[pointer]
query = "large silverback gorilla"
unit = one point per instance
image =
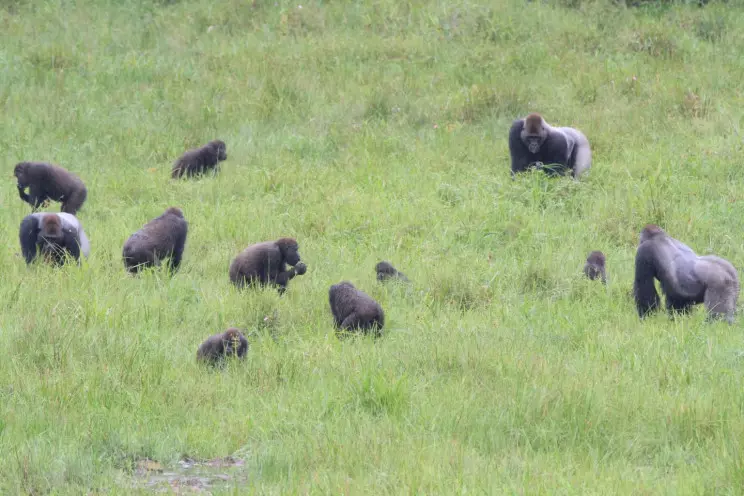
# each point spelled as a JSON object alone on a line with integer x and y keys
{"x": 686, "y": 279}
{"x": 535, "y": 143}
{"x": 52, "y": 236}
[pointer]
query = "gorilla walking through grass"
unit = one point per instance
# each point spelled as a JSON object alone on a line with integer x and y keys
{"x": 53, "y": 236}
{"x": 354, "y": 310}
{"x": 163, "y": 237}
{"x": 218, "y": 347}
{"x": 686, "y": 278}
{"x": 265, "y": 263}
{"x": 49, "y": 182}
{"x": 197, "y": 161}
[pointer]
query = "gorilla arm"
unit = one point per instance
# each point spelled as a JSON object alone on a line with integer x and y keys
{"x": 72, "y": 242}
{"x": 644, "y": 291}
{"x": 28, "y": 235}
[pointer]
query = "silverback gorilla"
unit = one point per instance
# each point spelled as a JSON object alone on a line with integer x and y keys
{"x": 52, "y": 236}
{"x": 49, "y": 182}
{"x": 686, "y": 279}
{"x": 595, "y": 266}
{"x": 220, "y": 346}
{"x": 163, "y": 237}
{"x": 199, "y": 160}
{"x": 355, "y": 310}
{"x": 533, "y": 142}
{"x": 266, "y": 263}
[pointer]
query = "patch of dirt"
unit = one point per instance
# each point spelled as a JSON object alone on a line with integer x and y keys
{"x": 190, "y": 476}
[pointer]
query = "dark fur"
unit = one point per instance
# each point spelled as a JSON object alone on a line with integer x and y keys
{"x": 266, "y": 264}
{"x": 385, "y": 271}
{"x": 163, "y": 237}
{"x": 49, "y": 238}
{"x": 49, "y": 182}
{"x": 220, "y": 346}
{"x": 686, "y": 279}
{"x": 354, "y": 310}
{"x": 558, "y": 150}
{"x": 595, "y": 266}
{"x": 200, "y": 160}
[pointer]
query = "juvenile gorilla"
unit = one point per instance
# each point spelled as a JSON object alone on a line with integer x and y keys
{"x": 385, "y": 271}
{"x": 266, "y": 264}
{"x": 163, "y": 237}
{"x": 216, "y": 348}
{"x": 354, "y": 310}
{"x": 199, "y": 160}
{"x": 53, "y": 236}
{"x": 49, "y": 182}
{"x": 533, "y": 142}
{"x": 686, "y": 279}
{"x": 595, "y": 266}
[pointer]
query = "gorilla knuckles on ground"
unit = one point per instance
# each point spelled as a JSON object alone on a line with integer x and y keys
{"x": 163, "y": 237}
{"x": 232, "y": 342}
{"x": 686, "y": 278}
{"x": 53, "y": 236}
{"x": 49, "y": 182}
{"x": 199, "y": 160}
{"x": 266, "y": 263}
{"x": 595, "y": 266}
{"x": 355, "y": 310}
{"x": 385, "y": 271}
{"x": 533, "y": 142}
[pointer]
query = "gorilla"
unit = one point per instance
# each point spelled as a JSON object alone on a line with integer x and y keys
{"x": 49, "y": 182}
{"x": 686, "y": 279}
{"x": 354, "y": 310}
{"x": 53, "y": 236}
{"x": 199, "y": 160}
{"x": 265, "y": 264}
{"x": 533, "y": 142}
{"x": 385, "y": 271}
{"x": 216, "y": 348}
{"x": 162, "y": 237}
{"x": 595, "y": 266}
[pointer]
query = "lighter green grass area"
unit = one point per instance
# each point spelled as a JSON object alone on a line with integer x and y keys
{"x": 368, "y": 131}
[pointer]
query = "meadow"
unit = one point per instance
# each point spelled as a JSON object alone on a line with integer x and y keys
{"x": 369, "y": 131}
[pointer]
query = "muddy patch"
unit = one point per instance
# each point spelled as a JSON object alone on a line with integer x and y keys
{"x": 190, "y": 476}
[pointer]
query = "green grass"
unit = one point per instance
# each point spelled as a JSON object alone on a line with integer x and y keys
{"x": 368, "y": 131}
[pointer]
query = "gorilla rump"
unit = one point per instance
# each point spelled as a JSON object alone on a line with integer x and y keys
{"x": 385, "y": 271}
{"x": 49, "y": 182}
{"x": 53, "y": 236}
{"x": 216, "y": 348}
{"x": 686, "y": 279}
{"x": 163, "y": 237}
{"x": 533, "y": 142}
{"x": 354, "y": 310}
{"x": 199, "y": 160}
{"x": 266, "y": 264}
{"x": 595, "y": 266}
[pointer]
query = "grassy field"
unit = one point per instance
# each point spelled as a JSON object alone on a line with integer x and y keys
{"x": 368, "y": 131}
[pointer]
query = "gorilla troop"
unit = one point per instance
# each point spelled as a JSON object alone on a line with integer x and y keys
{"x": 595, "y": 266}
{"x": 354, "y": 310}
{"x": 163, "y": 237}
{"x": 385, "y": 271}
{"x": 199, "y": 160}
{"x": 216, "y": 348}
{"x": 266, "y": 264}
{"x": 53, "y": 236}
{"x": 49, "y": 182}
{"x": 533, "y": 142}
{"x": 686, "y": 279}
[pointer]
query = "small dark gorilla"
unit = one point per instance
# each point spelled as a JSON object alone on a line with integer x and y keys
{"x": 49, "y": 182}
{"x": 197, "y": 161}
{"x": 533, "y": 142}
{"x": 354, "y": 310}
{"x": 218, "y": 347}
{"x": 595, "y": 266}
{"x": 686, "y": 279}
{"x": 53, "y": 236}
{"x": 266, "y": 264}
{"x": 163, "y": 237}
{"x": 385, "y": 271}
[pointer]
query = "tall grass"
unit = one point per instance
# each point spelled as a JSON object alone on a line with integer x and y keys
{"x": 368, "y": 131}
